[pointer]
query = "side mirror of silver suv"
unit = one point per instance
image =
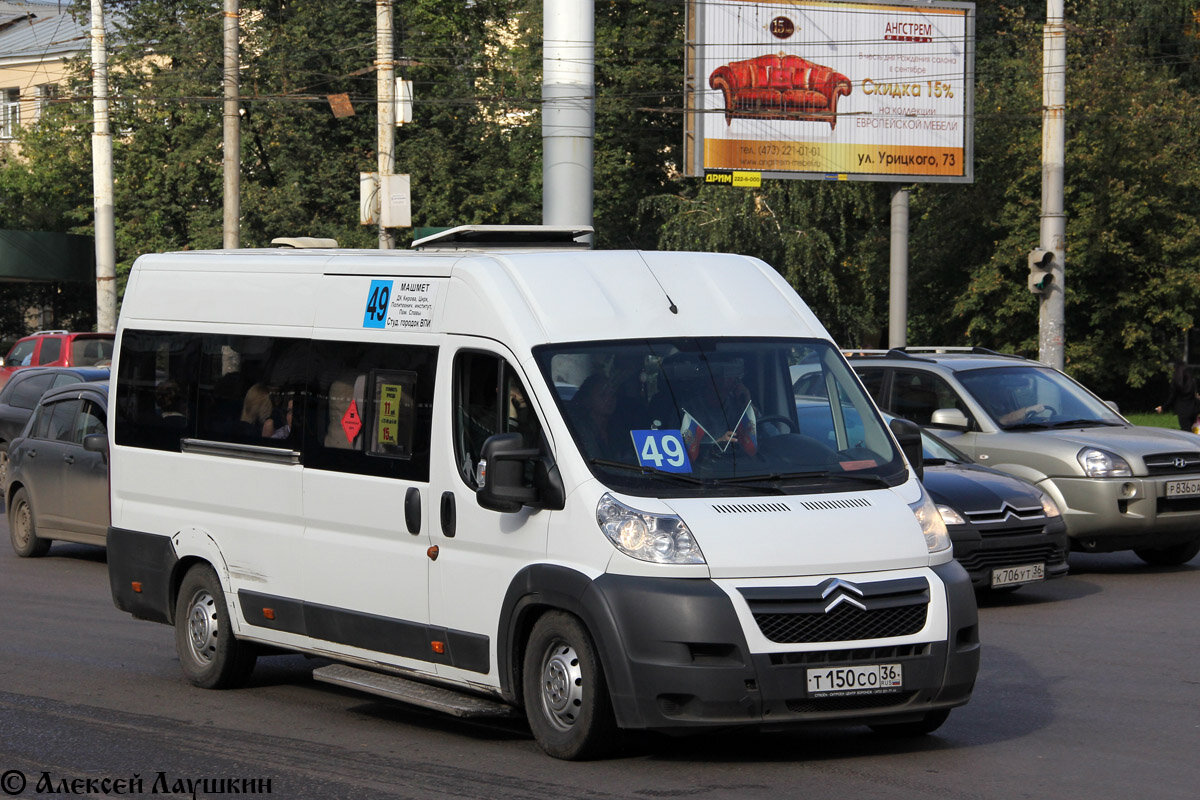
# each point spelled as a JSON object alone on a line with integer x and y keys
{"x": 950, "y": 418}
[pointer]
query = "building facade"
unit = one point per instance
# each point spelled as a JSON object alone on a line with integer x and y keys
{"x": 37, "y": 40}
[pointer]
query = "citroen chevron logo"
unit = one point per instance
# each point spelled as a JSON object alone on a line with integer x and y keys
{"x": 842, "y": 592}
{"x": 1014, "y": 513}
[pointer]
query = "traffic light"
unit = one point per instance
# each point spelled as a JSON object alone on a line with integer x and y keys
{"x": 1041, "y": 262}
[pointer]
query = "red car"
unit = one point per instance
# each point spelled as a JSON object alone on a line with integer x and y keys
{"x": 58, "y": 349}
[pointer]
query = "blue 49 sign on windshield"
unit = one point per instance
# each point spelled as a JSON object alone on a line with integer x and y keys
{"x": 661, "y": 449}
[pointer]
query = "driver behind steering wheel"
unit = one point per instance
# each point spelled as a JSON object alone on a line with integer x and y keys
{"x": 1016, "y": 394}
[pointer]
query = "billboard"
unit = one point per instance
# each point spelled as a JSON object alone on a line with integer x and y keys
{"x": 824, "y": 89}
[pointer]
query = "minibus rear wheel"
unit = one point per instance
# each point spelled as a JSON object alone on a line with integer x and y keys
{"x": 565, "y": 694}
{"x": 211, "y": 657}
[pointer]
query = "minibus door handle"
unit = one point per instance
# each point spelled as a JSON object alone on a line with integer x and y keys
{"x": 412, "y": 510}
{"x": 448, "y": 514}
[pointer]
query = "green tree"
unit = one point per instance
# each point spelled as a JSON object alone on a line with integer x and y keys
{"x": 823, "y": 239}
{"x": 1131, "y": 256}
{"x": 474, "y": 153}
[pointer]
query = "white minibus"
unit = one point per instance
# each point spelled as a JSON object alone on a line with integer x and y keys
{"x": 501, "y": 472}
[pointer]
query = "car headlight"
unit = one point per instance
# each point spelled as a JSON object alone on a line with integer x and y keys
{"x": 1049, "y": 507}
{"x": 1099, "y": 463}
{"x": 950, "y": 516}
{"x": 661, "y": 538}
{"x": 937, "y": 538}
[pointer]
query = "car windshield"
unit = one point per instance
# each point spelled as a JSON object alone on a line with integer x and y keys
{"x": 720, "y": 416}
{"x": 1033, "y": 398}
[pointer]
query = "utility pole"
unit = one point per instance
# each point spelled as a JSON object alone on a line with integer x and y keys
{"x": 568, "y": 106}
{"x": 1053, "y": 234}
{"x": 231, "y": 124}
{"x": 102, "y": 180}
{"x": 385, "y": 89}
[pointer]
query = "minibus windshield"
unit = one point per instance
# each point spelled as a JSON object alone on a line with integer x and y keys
{"x": 732, "y": 417}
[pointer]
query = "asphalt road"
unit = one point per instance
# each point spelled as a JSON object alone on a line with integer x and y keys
{"x": 1090, "y": 688}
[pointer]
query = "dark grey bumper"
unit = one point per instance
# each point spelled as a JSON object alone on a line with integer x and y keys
{"x": 676, "y": 658}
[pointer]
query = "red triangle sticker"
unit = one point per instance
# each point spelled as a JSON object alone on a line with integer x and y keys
{"x": 351, "y": 422}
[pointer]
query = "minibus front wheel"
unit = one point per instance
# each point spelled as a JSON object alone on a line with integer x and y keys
{"x": 565, "y": 694}
{"x": 211, "y": 657}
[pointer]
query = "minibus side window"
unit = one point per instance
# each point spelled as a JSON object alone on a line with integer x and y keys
{"x": 156, "y": 397}
{"x": 489, "y": 398}
{"x": 251, "y": 389}
{"x": 370, "y": 410}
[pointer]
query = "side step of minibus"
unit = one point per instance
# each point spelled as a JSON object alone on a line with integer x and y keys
{"x": 394, "y": 687}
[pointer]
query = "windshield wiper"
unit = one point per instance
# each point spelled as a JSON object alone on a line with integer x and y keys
{"x": 658, "y": 473}
{"x": 1027, "y": 426}
{"x": 1083, "y": 423}
{"x": 867, "y": 477}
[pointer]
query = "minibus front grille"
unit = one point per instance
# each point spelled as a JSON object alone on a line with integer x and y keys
{"x": 839, "y": 610}
{"x": 842, "y": 624}
{"x": 816, "y": 658}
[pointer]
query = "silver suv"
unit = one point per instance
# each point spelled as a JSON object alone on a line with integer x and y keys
{"x": 1120, "y": 486}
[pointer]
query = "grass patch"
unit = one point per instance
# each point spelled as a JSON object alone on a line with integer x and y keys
{"x": 1154, "y": 420}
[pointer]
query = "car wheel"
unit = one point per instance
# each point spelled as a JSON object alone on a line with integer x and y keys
{"x": 22, "y": 527}
{"x": 926, "y": 725}
{"x": 566, "y": 697}
{"x": 1170, "y": 556}
{"x": 211, "y": 657}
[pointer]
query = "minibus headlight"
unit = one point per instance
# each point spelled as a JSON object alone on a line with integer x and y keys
{"x": 937, "y": 538}
{"x": 661, "y": 538}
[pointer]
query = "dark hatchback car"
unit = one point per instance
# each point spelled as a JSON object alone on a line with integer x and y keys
{"x": 20, "y": 396}
{"x": 1006, "y": 532}
{"x": 57, "y": 487}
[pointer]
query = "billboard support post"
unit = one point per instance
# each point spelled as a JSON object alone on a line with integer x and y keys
{"x": 898, "y": 285}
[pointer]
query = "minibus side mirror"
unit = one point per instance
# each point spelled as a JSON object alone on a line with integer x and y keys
{"x": 505, "y": 485}
{"x": 908, "y": 434}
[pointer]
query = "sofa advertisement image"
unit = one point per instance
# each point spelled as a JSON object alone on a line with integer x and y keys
{"x": 847, "y": 90}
